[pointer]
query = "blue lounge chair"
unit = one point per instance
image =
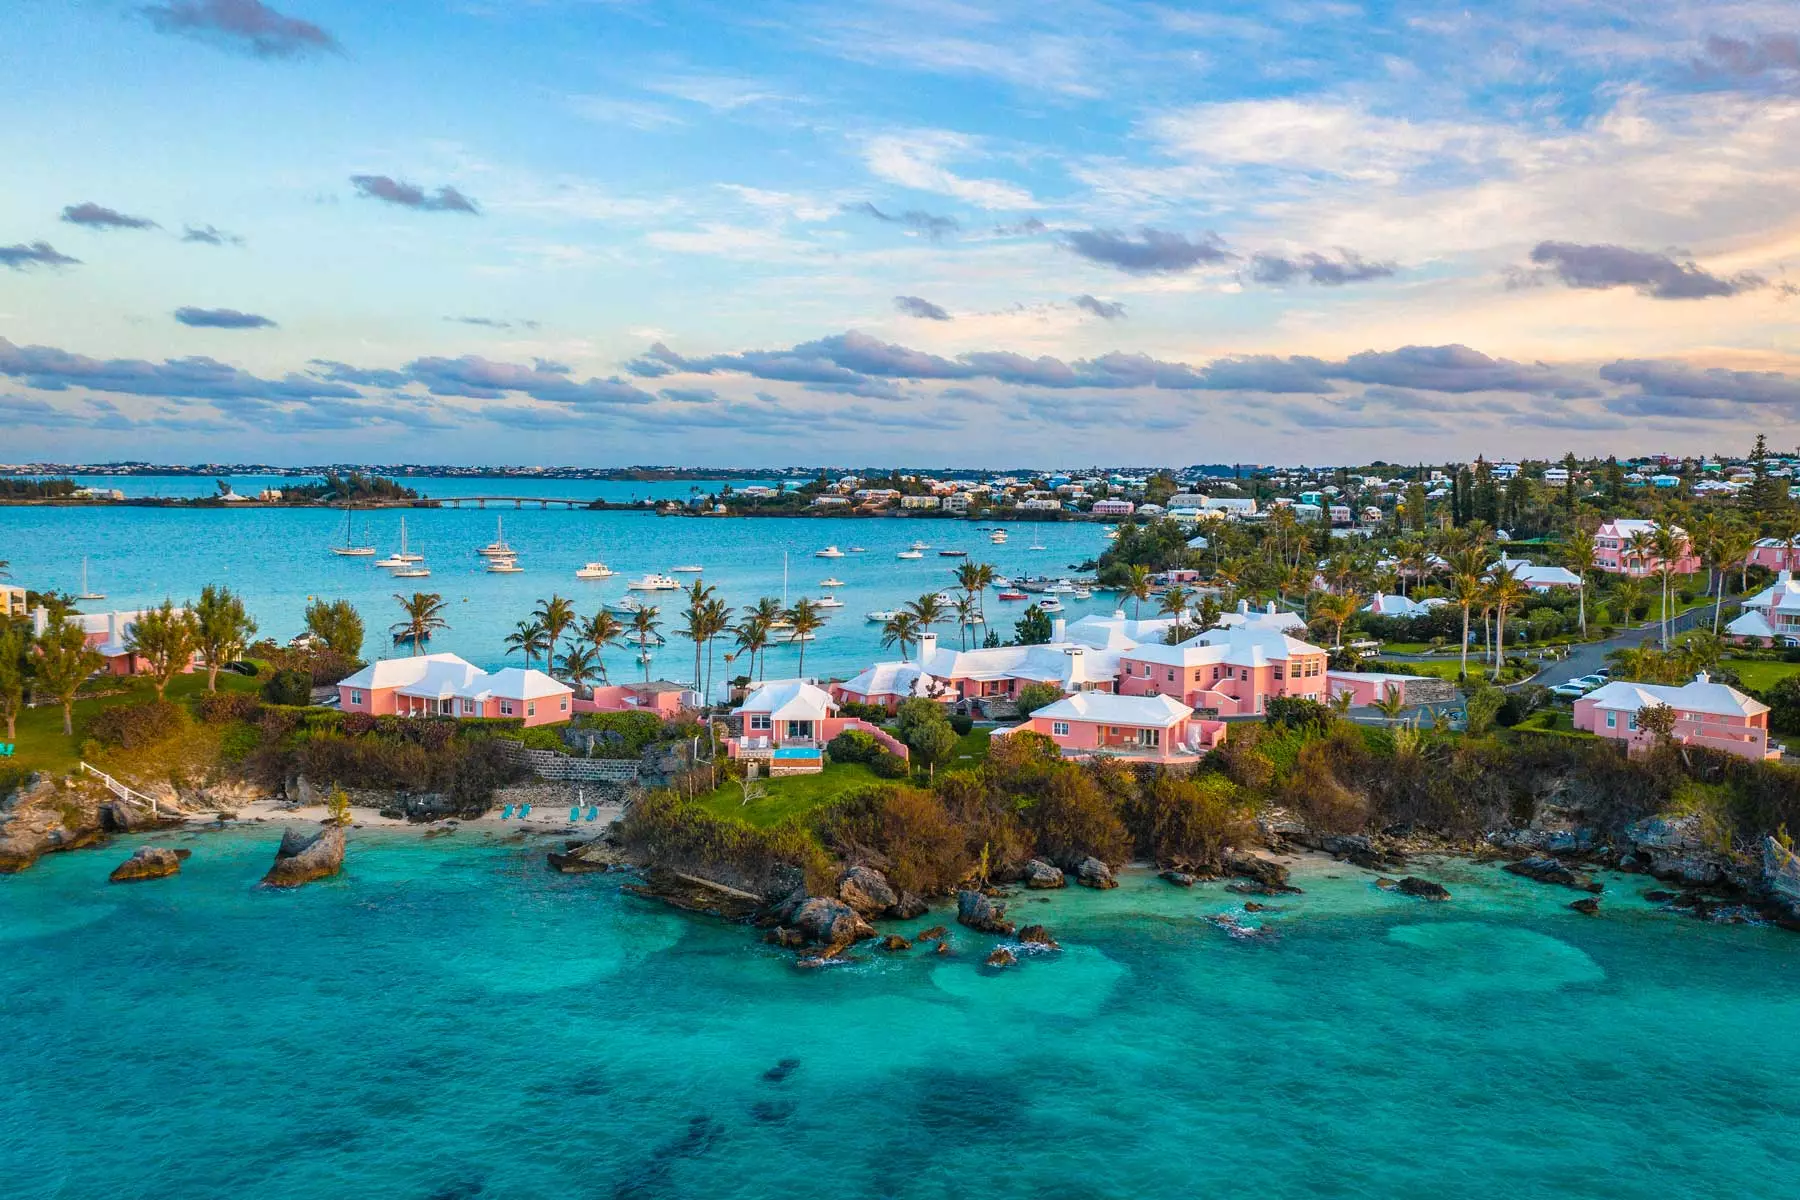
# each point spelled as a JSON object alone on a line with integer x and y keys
{"x": 506, "y": 814}
{"x": 593, "y": 812}
{"x": 524, "y": 811}
{"x": 6, "y": 749}
{"x": 575, "y": 813}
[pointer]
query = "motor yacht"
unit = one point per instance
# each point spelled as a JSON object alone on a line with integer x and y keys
{"x": 595, "y": 570}
{"x": 829, "y": 552}
{"x": 654, "y": 583}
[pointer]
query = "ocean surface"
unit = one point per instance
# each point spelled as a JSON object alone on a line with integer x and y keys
{"x": 278, "y": 560}
{"x": 448, "y": 1019}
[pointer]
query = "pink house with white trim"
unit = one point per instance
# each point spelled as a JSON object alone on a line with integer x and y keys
{"x": 665, "y": 699}
{"x": 1774, "y": 554}
{"x": 1150, "y": 728}
{"x": 443, "y": 685}
{"x": 107, "y": 633}
{"x": 793, "y": 714}
{"x": 1613, "y": 553}
{"x": 1232, "y": 671}
{"x": 1706, "y": 714}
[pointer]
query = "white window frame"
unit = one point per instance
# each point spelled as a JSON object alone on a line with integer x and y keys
{"x": 531, "y": 708}
{"x": 506, "y": 708}
{"x": 1059, "y": 729}
{"x": 356, "y": 697}
{"x": 1612, "y": 720}
{"x": 760, "y": 722}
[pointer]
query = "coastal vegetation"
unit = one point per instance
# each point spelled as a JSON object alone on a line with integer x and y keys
{"x": 353, "y": 487}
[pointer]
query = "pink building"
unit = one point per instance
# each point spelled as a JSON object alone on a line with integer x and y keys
{"x": 1774, "y": 554}
{"x": 793, "y": 720}
{"x": 1613, "y": 553}
{"x": 1233, "y": 670}
{"x": 665, "y": 699}
{"x": 1152, "y": 728}
{"x": 1706, "y": 714}
{"x": 1366, "y": 688}
{"x": 107, "y": 633}
{"x": 953, "y": 675}
{"x": 1772, "y": 616}
{"x": 443, "y": 685}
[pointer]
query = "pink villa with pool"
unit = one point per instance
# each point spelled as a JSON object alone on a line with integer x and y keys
{"x": 444, "y": 685}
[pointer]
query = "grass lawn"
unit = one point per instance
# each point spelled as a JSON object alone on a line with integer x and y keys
{"x": 41, "y": 746}
{"x": 1448, "y": 669}
{"x": 1758, "y": 675}
{"x": 789, "y": 795}
{"x": 971, "y": 750}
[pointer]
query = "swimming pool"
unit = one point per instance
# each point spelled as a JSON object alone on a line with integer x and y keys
{"x": 796, "y": 752}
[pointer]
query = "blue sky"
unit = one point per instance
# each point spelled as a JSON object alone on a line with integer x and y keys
{"x": 601, "y": 233}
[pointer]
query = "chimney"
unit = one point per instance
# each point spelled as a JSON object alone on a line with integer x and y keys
{"x": 1243, "y": 608}
{"x": 112, "y": 628}
{"x": 1271, "y": 608}
{"x": 1057, "y": 630}
{"x": 40, "y": 621}
{"x": 1118, "y": 614}
{"x": 927, "y": 647}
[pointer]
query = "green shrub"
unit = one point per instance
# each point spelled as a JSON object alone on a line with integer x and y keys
{"x": 853, "y": 746}
{"x": 872, "y": 713}
{"x": 889, "y": 765}
{"x": 1034, "y": 696}
{"x": 222, "y": 708}
{"x": 291, "y": 687}
{"x": 962, "y": 723}
{"x": 129, "y": 726}
{"x": 624, "y": 734}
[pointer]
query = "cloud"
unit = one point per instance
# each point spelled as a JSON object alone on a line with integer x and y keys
{"x": 1153, "y": 251}
{"x": 1671, "y": 388}
{"x": 918, "y": 306}
{"x": 689, "y": 395}
{"x": 482, "y": 379}
{"x": 1029, "y": 227}
{"x": 1106, "y": 309}
{"x": 1458, "y": 369}
{"x": 37, "y": 254}
{"x": 95, "y": 216}
{"x": 209, "y": 236}
{"x": 199, "y": 378}
{"x": 365, "y": 377}
{"x": 1349, "y": 267}
{"x": 1269, "y": 373}
{"x": 934, "y": 227}
{"x": 1657, "y": 275}
{"x": 221, "y": 318}
{"x": 407, "y": 195}
{"x": 1739, "y": 58}
{"x": 721, "y": 93}
{"x": 493, "y": 322}
{"x": 916, "y": 160}
{"x": 248, "y": 26}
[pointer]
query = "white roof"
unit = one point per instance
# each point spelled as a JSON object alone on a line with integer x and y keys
{"x": 1386, "y": 605}
{"x": 1070, "y": 665}
{"x": 386, "y": 673}
{"x": 1781, "y": 596}
{"x": 443, "y": 676}
{"x": 1253, "y": 646}
{"x": 1104, "y": 708}
{"x": 790, "y": 700}
{"x": 1750, "y": 623}
{"x": 1702, "y": 696}
{"x": 1533, "y": 575}
{"x": 888, "y": 679}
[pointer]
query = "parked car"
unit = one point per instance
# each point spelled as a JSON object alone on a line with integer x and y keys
{"x": 1574, "y": 689}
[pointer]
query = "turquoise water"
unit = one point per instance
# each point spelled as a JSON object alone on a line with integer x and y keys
{"x": 277, "y": 558}
{"x": 454, "y": 1021}
{"x": 618, "y": 491}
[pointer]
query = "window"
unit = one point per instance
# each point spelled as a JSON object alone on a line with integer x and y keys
{"x": 759, "y": 721}
{"x": 1150, "y": 737}
{"x": 471, "y": 708}
{"x": 531, "y": 708}
{"x": 1631, "y": 723}
{"x": 506, "y": 708}
{"x": 1215, "y": 674}
{"x": 1612, "y": 720}
{"x": 355, "y": 696}
{"x": 564, "y": 706}
{"x": 1171, "y": 674}
{"x": 1059, "y": 729}
{"x": 1278, "y": 675}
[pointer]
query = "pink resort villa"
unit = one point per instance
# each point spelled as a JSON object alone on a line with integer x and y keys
{"x": 444, "y": 685}
{"x": 1152, "y": 728}
{"x": 1613, "y": 553}
{"x": 1772, "y": 616}
{"x": 788, "y": 722}
{"x": 1706, "y": 714}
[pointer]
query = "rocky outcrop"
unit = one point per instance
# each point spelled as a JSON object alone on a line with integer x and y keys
{"x": 935, "y": 933}
{"x": 894, "y": 943}
{"x": 694, "y": 893}
{"x": 149, "y": 862}
{"x": 866, "y": 890}
{"x": 1001, "y": 958}
{"x": 1674, "y": 850}
{"x": 1781, "y": 876}
{"x": 1180, "y": 878}
{"x": 1545, "y": 869}
{"x": 1095, "y": 874}
{"x": 1424, "y": 889}
{"x": 908, "y": 907}
{"x": 1043, "y": 876}
{"x": 303, "y": 857}
{"x": 1587, "y": 906}
{"x": 1037, "y": 935}
{"x": 42, "y": 817}
{"x": 585, "y": 857}
{"x": 982, "y": 913}
{"x": 1271, "y": 878}
{"x": 823, "y": 921}
{"x": 1360, "y": 851}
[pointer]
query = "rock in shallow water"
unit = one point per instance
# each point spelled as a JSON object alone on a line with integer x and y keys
{"x": 866, "y": 890}
{"x": 302, "y": 857}
{"x": 1545, "y": 869}
{"x": 894, "y": 943}
{"x": 1038, "y": 935}
{"x": 1043, "y": 876}
{"x": 1095, "y": 874}
{"x": 1587, "y": 906}
{"x": 1179, "y": 878}
{"x": 1001, "y": 958}
{"x": 1424, "y": 889}
{"x": 982, "y": 912}
{"x": 149, "y": 862}
{"x": 823, "y": 921}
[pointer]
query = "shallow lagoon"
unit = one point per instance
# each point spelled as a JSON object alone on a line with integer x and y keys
{"x": 452, "y": 1020}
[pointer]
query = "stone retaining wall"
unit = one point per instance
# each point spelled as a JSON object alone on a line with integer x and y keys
{"x": 547, "y": 764}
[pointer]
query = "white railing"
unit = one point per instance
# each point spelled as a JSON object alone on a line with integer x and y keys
{"x": 124, "y": 793}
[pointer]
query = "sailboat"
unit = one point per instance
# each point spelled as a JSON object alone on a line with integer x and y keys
{"x": 402, "y": 558}
{"x": 351, "y": 549}
{"x": 85, "y": 593}
{"x": 498, "y": 547}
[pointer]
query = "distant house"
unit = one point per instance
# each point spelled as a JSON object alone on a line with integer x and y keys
{"x": 958, "y": 502}
{"x": 1540, "y": 579}
{"x": 1113, "y": 508}
{"x": 1774, "y": 553}
{"x": 1706, "y": 714}
{"x": 921, "y": 502}
{"x": 1384, "y": 604}
{"x": 12, "y": 601}
{"x": 1613, "y": 553}
{"x": 444, "y": 685}
{"x": 108, "y": 634}
{"x": 1156, "y": 728}
{"x": 1772, "y": 615}
{"x": 659, "y": 696}
{"x": 1232, "y": 670}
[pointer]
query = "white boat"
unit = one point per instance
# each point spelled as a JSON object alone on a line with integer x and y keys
{"x": 416, "y": 571}
{"x": 504, "y": 566}
{"x": 1061, "y": 587}
{"x": 829, "y": 552}
{"x": 799, "y": 637}
{"x": 1083, "y": 594}
{"x": 594, "y": 570}
{"x": 909, "y": 554}
{"x": 834, "y": 581}
{"x": 1001, "y": 581}
{"x": 828, "y": 602}
{"x": 498, "y": 547}
{"x": 881, "y": 614}
{"x": 349, "y": 548}
{"x": 857, "y": 550}
{"x": 1037, "y": 547}
{"x": 921, "y": 546}
{"x": 406, "y": 555}
{"x": 687, "y": 570}
{"x": 627, "y": 606}
{"x": 86, "y": 593}
{"x": 1050, "y": 604}
{"x": 646, "y": 657}
{"x": 997, "y": 537}
{"x": 654, "y": 583}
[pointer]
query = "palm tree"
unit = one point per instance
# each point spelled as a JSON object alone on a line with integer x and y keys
{"x": 555, "y": 615}
{"x": 927, "y": 608}
{"x": 1670, "y": 542}
{"x": 1137, "y": 586}
{"x": 1505, "y": 591}
{"x": 1391, "y": 703}
{"x": 803, "y": 621}
{"x": 528, "y": 638}
{"x": 985, "y": 574}
{"x": 422, "y": 616}
{"x": 967, "y": 617}
{"x": 578, "y": 666}
{"x": 693, "y": 627}
{"x": 752, "y": 632}
{"x": 1638, "y": 548}
{"x": 902, "y": 627}
{"x": 600, "y": 631}
{"x": 1467, "y": 591}
{"x": 1732, "y": 547}
{"x": 716, "y": 619}
{"x": 1629, "y": 594}
{"x": 644, "y": 630}
{"x": 1578, "y": 556}
{"x": 1338, "y": 608}
{"x": 1175, "y": 602}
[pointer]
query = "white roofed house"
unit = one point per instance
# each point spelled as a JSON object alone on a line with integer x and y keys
{"x": 1155, "y": 728}
{"x": 1706, "y": 714}
{"x": 1771, "y": 616}
{"x": 109, "y": 635}
{"x": 992, "y": 673}
{"x": 1540, "y": 579}
{"x": 790, "y": 721}
{"x": 444, "y": 685}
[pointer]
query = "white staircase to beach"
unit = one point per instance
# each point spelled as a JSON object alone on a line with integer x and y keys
{"x": 127, "y": 794}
